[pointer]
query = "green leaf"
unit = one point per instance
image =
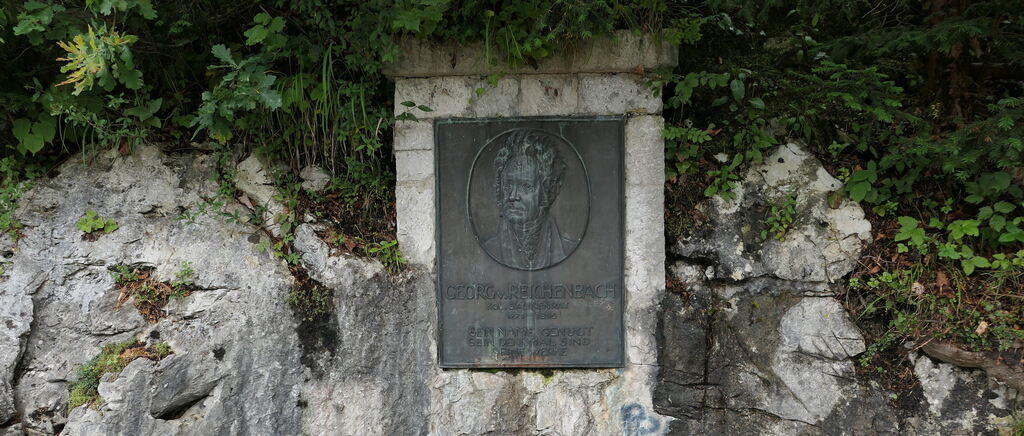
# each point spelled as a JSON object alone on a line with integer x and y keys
{"x": 408, "y": 104}
{"x": 22, "y": 128}
{"x": 968, "y": 266}
{"x": 424, "y": 108}
{"x": 131, "y": 78}
{"x": 276, "y": 25}
{"x": 998, "y": 222}
{"x": 146, "y": 9}
{"x": 949, "y": 251}
{"x": 88, "y": 223}
{"x": 757, "y": 103}
{"x": 960, "y": 228}
{"x": 220, "y": 51}
{"x": 738, "y": 89}
{"x": 46, "y": 128}
{"x": 271, "y": 99}
{"x": 907, "y": 223}
{"x": 1005, "y": 123}
{"x": 32, "y": 143}
{"x": 1004, "y": 207}
{"x": 1012, "y": 235}
{"x": 255, "y": 35}
{"x": 145, "y": 110}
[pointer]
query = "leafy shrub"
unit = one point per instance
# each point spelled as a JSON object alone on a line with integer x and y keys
{"x": 918, "y": 110}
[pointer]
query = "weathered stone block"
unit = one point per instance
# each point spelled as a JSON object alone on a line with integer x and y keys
{"x": 414, "y": 165}
{"x": 548, "y": 95}
{"x": 414, "y": 202}
{"x": 610, "y": 94}
{"x": 414, "y": 135}
{"x": 645, "y": 244}
{"x": 494, "y": 101}
{"x": 645, "y": 158}
{"x": 446, "y": 96}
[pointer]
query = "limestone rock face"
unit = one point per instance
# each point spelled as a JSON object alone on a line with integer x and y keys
{"x": 243, "y": 362}
{"x": 821, "y": 245}
{"x": 231, "y": 363}
{"x": 759, "y": 345}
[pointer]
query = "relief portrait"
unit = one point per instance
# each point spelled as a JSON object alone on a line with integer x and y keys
{"x": 526, "y": 176}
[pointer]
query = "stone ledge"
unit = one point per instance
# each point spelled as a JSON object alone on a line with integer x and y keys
{"x": 521, "y": 95}
{"x": 626, "y": 52}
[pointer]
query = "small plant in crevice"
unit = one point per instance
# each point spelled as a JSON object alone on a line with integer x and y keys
{"x": 148, "y": 295}
{"x": 183, "y": 281}
{"x": 409, "y": 116}
{"x": 387, "y": 253}
{"x": 124, "y": 274}
{"x": 780, "y": 217}
{"x": 224, "y": 176}
{"x": 92, "y": 225}
{"x": 113, "y": 358}
{"x": 162, "y": 350}
{"x": 288, "y": 221}
{"x": 309, "y": 299}
{"x": 492, "y": 82}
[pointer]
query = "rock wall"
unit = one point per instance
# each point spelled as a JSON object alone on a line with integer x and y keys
{"x": 753, "y": 348}
{"x": 242, "y": 362}
{"x": 759, "y": 345}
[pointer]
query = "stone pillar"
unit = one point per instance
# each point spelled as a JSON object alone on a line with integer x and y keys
{"x": 601, "y": 77}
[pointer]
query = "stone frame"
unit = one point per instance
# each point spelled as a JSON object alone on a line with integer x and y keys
{"x": 603, "y": 78}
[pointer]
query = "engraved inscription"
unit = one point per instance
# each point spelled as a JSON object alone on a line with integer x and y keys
{"x": 518, "y": 342}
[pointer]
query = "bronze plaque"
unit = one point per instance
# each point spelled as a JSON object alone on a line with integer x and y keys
{"x": 530, "y": 242}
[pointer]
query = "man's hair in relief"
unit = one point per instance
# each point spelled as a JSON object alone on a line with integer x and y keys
{"x": 531, "y": 144}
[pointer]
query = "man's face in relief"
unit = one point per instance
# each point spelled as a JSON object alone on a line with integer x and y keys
{"x": 521, "y": 189}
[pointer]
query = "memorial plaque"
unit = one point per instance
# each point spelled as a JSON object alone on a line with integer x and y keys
{"x": 530, "y": 242}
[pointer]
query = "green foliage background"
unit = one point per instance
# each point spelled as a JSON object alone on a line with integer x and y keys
{"x": 917, "y": 106}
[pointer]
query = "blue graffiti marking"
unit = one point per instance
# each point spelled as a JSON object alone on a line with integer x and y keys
{"x": 636, "y": 422}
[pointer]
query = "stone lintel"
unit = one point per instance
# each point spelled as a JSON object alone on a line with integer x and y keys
{"x": 625, "y": 52}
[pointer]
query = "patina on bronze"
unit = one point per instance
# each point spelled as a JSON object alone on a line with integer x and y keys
{"x": 530, "y": 242}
